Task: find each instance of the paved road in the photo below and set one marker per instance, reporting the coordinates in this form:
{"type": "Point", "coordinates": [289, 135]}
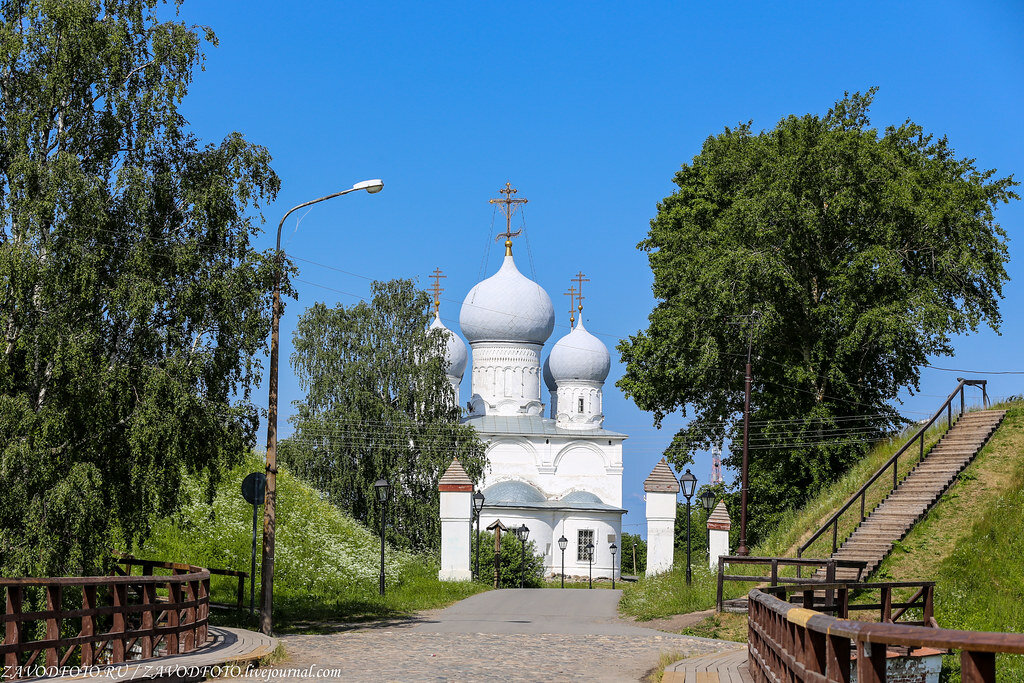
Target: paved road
{"type": "Point", "coordinates": [509, 635]}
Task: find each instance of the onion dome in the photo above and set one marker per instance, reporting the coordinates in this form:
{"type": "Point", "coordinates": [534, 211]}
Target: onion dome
{"type": "Point", "coordinates": [549, 380]}
{"type": "Point", "coordinates": [455, 355]}
{"type": "Point", "coordinates": [579, 355]}
{"type": "Point", "coordinates": [507, 307]}
{"type": "Point", "coordinates": [513, 492]}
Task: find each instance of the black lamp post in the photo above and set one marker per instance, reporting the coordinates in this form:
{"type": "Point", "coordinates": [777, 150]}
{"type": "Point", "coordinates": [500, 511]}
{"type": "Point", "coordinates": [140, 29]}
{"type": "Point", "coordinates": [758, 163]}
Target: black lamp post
{"type": "Point", "coordinates": [707, 501]}
{"type": "Point", "coordinates": [688, 482]}
{"type": "Point", "coordinates": [523, 533]}
{"type": "Point", "coordinates": [381, 487]}
{"type": "Point", "coordinates": [590, 556]}
{"type": "Point", "coordinates": [613, 548]}
{"type": "Point", "coordinates": [562, 543]}
{"type": "Point", "coordinates": [478, 505]}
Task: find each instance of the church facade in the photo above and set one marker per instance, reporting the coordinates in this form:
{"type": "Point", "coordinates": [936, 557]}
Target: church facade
{"type": "Point", "coordinates": [558, 471]}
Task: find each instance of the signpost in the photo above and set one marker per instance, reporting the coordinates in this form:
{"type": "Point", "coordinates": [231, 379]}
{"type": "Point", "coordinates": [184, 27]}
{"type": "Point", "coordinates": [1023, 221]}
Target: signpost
{"type": "Point", "coordinates": [497, 527]}
{"type": "Point", "coordinates": [253, 490]}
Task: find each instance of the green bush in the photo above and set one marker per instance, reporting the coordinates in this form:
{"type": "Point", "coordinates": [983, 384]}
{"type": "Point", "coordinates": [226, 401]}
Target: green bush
{"type": "Point", "coordinates": [512, 567]}
{"type": "Point", "coordinates": [633, 546]}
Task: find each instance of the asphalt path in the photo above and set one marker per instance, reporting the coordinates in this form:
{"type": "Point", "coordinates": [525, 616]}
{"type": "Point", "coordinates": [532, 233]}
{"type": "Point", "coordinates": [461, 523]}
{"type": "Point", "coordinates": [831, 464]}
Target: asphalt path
{"type": "Point", "coordinates": [567, 611]}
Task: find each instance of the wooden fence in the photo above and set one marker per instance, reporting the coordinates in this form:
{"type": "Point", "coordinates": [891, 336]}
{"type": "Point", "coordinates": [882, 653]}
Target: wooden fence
{"type": "Point", "coordinates": [791, 643]}
{"type": "Point", "coordinates": [830, 565]}
{"type": "Point", "coordinates": [121, 618]}
{"type": "Point", "coordinates": [147, 567]}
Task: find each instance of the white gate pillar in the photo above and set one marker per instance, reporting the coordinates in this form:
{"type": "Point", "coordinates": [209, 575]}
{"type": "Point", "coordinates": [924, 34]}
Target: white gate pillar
{"type": "Point", "coordinates": [456, 512]}
{"type": "Point", "coordinates": [718, 535]}
{"type": "Point", "coordinates": [661, 489]}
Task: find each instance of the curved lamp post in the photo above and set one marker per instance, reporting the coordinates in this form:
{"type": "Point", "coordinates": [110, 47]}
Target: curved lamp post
{"type": "Point", "coordinates": [613, 548]}
{"type": "Point", "coordinates": [590, 556]}
{"type": "Point", "coordinates": [523, 533]}
{"type": "Point", "coordinates": [707, 501]}
{"type": "Point", "coordinates": [381, 488]}
{"type": "Point", "coordinates": [270, 496]}
{"type": "Point", "coordinates": [562, 543]}
{"type": "Point", "coordinates": [478, 505]}
{"type": "Point", "coordinates": [688, 482]}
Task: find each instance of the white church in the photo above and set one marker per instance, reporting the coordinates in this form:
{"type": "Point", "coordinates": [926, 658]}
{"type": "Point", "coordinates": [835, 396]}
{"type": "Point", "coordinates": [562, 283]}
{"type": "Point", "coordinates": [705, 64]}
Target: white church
{"type": "Point", "coordinates": [558, 473]}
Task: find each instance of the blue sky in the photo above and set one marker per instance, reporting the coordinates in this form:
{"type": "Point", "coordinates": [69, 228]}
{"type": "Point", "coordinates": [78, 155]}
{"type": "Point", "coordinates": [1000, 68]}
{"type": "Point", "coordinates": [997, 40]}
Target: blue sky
{"type": "Point", "coordinates": [589, 109]}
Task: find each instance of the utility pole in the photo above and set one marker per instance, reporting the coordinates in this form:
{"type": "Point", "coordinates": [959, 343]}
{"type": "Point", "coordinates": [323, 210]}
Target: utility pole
{"type": "Point", "coordinates": [742, 549]}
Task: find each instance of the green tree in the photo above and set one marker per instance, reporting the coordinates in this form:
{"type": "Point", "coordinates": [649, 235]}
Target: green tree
{"type": "Point", "coordinates": [377, 405]}
{"type": "Point", "coordinates": [134, 304]}
{"type": "Point", "coordinates": [862, 251]}
{"type": "Point", "coordinates": [633, 547]}
{"type": "Point", "coordinates": [516, 565]}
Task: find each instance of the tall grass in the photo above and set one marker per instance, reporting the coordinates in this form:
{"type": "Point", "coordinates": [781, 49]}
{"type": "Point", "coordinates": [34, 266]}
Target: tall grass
{"type": "Point", "coordinates": [326, 563]}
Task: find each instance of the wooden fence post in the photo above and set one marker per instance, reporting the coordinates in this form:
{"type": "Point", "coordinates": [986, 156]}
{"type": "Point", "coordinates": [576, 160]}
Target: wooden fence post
{"type": "Point", "coordinates": [117, 630]}
{"type": "Point", "coordinates": [886, 595]}
{"type": "Point", "coordinates": [870, 662]}
{"type": "Point", "coordinates": [837, 659]}
{"type": "Point", "coordinates": [239, 604]}
{"type": "Point", "coordinates": [173, 615]}
{"type": "Point", "coordinates": [12, 629]}
{"type": "Point", "coordinates": [830, 578]}
{"type": "Point", "coordinates": [190, 615]}
{"type": "Point", "coordinates": [775, 571]}
{"type": "Point", "coordinates": [977, 667]}
{"type": "Point", "coordinates": [88, 624]}
{"type": "Point", "coordinates": [721, 596]}
{"type": "Point", "coordinates": [204, 611]}
{"type": "Point", "coordinates": [148, 605]}
{"type": "Point", "coordinates": [53, 620]}
{"type": "Point", "coordinates": [929, 604]}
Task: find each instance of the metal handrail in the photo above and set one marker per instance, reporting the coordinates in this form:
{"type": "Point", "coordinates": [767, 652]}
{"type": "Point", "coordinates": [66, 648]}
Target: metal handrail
{"type": "Point", "coordinates": [893, 461]}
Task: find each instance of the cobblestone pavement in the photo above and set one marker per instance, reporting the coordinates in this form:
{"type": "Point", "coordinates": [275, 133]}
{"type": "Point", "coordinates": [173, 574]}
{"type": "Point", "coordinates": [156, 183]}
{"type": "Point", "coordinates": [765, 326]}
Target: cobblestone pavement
{"type": "Point", "coordinates": [403, 654]}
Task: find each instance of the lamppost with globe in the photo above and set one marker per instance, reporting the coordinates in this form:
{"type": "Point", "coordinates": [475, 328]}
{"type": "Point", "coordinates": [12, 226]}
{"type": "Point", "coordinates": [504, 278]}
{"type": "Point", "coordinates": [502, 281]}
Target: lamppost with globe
{"type": "Point", "coordinates": [688, 482]}
{"type": "Point", "coordinates": [522, 533]}
{"type": "Point", "coordinates": [590, 556]}
{"type": "Point", "coordinates": [381, 487]}
{"type": "Point", "coordinates": [562, 543]}
{"type": "Point", "coordinates": [478, 505]}
{"type": "Point", "coordinates": [707, 501]}
{"type": "Point", "coordinates": [613, 548]}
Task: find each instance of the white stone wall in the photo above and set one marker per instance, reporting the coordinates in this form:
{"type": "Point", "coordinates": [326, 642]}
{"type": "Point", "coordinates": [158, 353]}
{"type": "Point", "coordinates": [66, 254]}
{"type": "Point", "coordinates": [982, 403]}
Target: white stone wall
{"type": "Point", "coordinates": [569, 397]}
{"type": "Point", "coordinates": [661, 526]}
{"type": "Point", "coordinates": [557, 465]}
{"type": "Point", "coordinates": [456, 511]}
{"type": "Point", "coordinates": [506, 379]}
{"type": "Point", "coordinates": [718, 545]}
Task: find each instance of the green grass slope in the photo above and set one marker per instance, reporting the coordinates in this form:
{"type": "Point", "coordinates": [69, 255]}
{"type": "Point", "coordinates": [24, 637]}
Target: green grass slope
{"type": "Point", "coordinates": [972, 544]}
{"type": "Point", "coordinates": [326, 563]}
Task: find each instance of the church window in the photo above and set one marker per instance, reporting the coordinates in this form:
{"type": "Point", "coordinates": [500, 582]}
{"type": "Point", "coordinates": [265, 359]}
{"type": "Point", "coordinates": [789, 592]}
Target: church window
{"type": "Point", "coordinates": [581, 405]}
{"type": "Point", "coordinates": [584, 536]}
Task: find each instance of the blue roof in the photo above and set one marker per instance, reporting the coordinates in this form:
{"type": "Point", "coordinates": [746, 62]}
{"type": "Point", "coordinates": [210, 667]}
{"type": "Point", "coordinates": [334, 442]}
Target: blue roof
{"type": "Point", "coordinates": [520, 494]}
{"type": "Point", "coordinates": [513, 492]}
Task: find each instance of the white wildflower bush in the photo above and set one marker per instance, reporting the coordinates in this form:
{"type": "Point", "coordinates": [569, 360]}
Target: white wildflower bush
{"type": "Point", "coordinates": [321, 554]}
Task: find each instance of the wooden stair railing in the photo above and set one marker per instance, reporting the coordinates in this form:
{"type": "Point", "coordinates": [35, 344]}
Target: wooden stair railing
{"type": "Point", "coordinates": [893, 462]}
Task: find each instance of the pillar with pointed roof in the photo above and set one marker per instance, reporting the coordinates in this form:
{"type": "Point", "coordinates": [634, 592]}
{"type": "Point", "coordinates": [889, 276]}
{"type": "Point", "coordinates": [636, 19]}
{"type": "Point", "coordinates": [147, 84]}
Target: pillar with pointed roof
{"type": "Point", "coordinates": [456, 513]}
{"type": "Point", "coordinates": [661, 489]}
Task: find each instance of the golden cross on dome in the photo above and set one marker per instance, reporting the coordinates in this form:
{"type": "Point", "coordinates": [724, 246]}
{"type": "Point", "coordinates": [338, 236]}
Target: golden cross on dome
{"type": "Point", "coordinates": [437, 289]}
{"type": "Point", "coordinates": [509, 205]}
{"type": "Point", "coordinates": [579, 280]}
{"type": "Point", "coordinates": [572, 305]}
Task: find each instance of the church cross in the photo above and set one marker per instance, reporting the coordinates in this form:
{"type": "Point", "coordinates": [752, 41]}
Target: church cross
{"type": "Point", "coordinates": [509, 207]}
{"type": "Point", "coordinates": [572, 305]}
{"type": "Point", "coordinates": [579, 280]}
{"type": "Point", "coordinates": [436, 276]}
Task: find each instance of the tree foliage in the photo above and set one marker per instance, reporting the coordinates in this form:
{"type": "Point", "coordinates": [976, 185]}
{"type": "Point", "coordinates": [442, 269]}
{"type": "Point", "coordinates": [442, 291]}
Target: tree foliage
{"type": "Point", "coordinates": [133, 303]}
{"type": "Point", "coordinates": [378, 405]}
{"type": "Point", "coordinates": [518, 566]}
{"type": "Point", "coordinates": [862, 252]}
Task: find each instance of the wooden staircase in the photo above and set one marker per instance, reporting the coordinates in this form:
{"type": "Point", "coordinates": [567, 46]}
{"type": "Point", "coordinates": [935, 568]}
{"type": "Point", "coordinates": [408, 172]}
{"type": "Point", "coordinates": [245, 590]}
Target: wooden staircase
{"type": "Point", "coordinates": [911, 499]}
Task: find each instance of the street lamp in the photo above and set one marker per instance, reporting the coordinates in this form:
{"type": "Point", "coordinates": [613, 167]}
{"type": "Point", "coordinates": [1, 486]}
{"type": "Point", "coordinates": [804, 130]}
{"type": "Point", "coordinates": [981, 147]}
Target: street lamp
{"type": "Point", "coordinates": [688, 482]}
{"type": "Point", "coordinates": [613, 548]}
{"type": "Point", "coordinates": [478, 505]}
{"type": "Point", "coordinates": [381, 487]}
{"type": "Point", "coordinates": [523, 533]}
{"type": "Point", "coordinates": [590, 556]}
{"type": "Point", "coordinates": [562, 543]}
{"type": "Point", "coordinates": [270, 496]}
{"type": "Point", "coordinates": [707, 501]}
